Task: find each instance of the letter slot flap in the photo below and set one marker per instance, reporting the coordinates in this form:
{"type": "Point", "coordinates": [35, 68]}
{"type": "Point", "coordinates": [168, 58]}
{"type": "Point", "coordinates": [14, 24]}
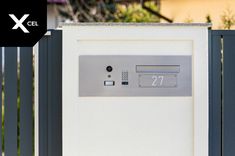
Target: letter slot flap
{"type": "Point", "coordinates": [157, 68]}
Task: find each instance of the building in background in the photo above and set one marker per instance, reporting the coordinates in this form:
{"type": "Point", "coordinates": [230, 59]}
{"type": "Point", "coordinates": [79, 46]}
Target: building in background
{"type": "Point", "coordinates": [194, 11]}
{"type": "Point", "coordinates": [53, 17]}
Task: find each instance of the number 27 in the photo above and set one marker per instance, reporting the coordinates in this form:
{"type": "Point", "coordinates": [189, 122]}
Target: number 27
{"type": "Point", "coordinates": [157, 80]}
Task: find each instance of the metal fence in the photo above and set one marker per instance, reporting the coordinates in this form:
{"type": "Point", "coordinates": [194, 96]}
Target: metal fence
{"type": "Point", "coordinates": [18, 115]}
{"type": "Point", "coordinates": [16, 76]}
{"type": "Point", "coordinates": [222, 93]}
{"type": "Point", "coordinates": [17, 85]}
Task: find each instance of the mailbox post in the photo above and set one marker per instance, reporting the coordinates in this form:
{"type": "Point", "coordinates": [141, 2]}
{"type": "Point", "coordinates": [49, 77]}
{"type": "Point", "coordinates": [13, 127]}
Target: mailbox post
{"type": "Point", "coordinates": [135, 90]}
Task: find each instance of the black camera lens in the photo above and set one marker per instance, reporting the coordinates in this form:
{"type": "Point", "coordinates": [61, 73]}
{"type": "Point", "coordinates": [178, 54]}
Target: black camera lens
{"type": "Point", "coordinates": [109, 68]}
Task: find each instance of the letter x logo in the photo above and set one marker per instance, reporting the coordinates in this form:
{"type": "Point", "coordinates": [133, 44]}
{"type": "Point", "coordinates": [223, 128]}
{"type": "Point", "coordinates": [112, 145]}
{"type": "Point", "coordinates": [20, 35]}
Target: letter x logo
{"type": "Point", "coordinates": [19, 23]}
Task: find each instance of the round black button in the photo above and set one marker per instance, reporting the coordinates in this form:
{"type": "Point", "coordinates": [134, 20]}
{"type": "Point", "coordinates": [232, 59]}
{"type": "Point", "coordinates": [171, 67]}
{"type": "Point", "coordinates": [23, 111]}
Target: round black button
{"type": "Point", "coordinates": [109, 68]}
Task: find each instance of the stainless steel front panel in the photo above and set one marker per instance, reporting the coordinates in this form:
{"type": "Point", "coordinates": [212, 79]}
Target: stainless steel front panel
{"type": "Point", "coordinates": [135, 75]}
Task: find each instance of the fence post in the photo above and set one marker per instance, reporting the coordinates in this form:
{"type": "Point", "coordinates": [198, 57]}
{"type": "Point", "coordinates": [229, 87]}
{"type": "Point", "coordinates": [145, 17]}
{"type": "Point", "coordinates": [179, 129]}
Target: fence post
{"type": "Point", "coordinates": [50, 94]}
{"type": "Point", "coordinates": [43, 97]}
{"type": "Point", "coordinates": [215, 127]}
{"type": "Point", "coordinates": [229, 95]}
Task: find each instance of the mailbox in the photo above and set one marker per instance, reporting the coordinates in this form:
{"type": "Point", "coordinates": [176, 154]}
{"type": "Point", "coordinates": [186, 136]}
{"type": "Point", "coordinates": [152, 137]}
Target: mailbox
{"type": "Point", "coordinates": [135, 89]}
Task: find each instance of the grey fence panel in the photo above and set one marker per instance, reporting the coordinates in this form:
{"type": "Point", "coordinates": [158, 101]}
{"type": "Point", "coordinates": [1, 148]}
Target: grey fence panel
{"type": "Point", "coordinates": [26, 102]}
{"type": "Point", "coordinates": [10, 101]}
{"type": "Point", "coordinates": [229, 95]}
{"type": "Point", "coordinates": [50, 98]}
{"type": "Point", "coordinates": [215, 66]}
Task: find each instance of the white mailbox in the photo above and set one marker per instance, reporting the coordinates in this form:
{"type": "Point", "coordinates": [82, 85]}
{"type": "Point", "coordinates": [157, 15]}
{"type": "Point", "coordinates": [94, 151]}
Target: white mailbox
{"type": "Point", "coordinates": [135, 90]}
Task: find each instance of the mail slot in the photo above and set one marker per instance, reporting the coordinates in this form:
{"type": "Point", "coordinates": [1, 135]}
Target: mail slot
{"type": "Point", "coordinates": [157, 68]}
{"type": "Point", "coordinates": [135, 89]}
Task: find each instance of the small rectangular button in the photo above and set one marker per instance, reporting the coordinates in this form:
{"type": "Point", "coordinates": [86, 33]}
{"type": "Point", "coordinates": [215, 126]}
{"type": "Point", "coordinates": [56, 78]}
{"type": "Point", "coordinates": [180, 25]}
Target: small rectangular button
{"type": "Point", "coordinates": [124, 83]}
{"type": "Point", "coordinates": [109, 83]}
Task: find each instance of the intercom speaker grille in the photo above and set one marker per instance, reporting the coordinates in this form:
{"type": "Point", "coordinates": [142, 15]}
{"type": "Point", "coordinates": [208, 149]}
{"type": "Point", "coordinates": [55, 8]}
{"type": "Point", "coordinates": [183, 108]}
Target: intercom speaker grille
{"type": "Point", "coordinates": [124, 76]}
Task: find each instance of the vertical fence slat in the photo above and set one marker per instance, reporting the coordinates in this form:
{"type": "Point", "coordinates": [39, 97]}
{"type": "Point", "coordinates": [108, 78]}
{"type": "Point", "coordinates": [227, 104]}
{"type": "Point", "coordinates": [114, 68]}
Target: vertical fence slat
{"type": "Point", "coordinates": [10, 101]}
{"type": "Point", "coordinates": [229, 96]}
{"type": "Point", "coordinates": [55, 93]}
{"type": "Point", "coordinates": [1, 101]}
{"type": "Point", "coordinates": [215, 142]}
{"type": "Point", "coordinates": [26, 113]}
{"type": "Point", "coordinates": [43, 98]}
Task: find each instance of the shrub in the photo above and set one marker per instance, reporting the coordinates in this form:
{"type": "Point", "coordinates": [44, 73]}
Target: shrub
{"type": "Point", "coordinates": [135, 13]}
{"type": "Point", "coordinates": [228, 19]}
